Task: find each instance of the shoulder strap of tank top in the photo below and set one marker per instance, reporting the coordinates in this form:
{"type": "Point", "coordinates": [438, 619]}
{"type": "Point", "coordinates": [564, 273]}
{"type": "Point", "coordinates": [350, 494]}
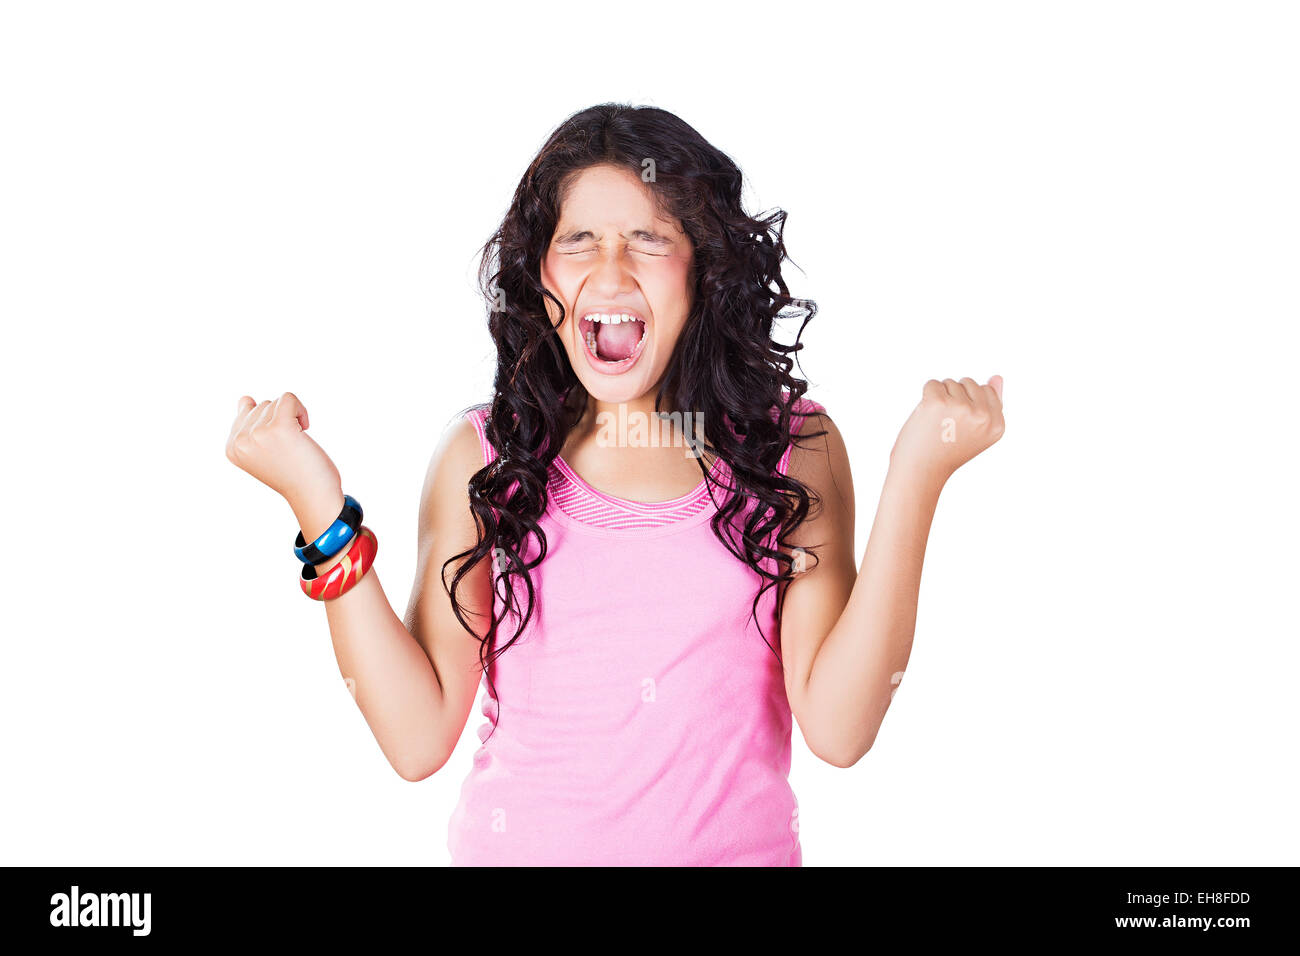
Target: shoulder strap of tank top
{"type": "Point", "coordinates": [802, 410]}
{"type": "Point", "coordinates": [478, 418]}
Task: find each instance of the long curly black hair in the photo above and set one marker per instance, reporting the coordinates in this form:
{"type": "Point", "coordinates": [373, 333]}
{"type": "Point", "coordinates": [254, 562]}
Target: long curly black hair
{"type": "Point", "coordinates": [726, 366]}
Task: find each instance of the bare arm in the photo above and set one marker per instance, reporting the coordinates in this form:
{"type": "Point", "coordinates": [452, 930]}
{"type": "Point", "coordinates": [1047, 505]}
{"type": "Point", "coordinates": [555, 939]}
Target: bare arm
{"type": "Point", "coordinates": [847, 635]}
{"type": "Point", "coordinates": [447, 528]}
{"type": "Point", "coordinates": [414, 682]}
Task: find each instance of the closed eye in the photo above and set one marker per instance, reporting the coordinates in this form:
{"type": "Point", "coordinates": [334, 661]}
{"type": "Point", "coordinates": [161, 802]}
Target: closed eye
{"type": "Point", "coordinates": [643, 252]}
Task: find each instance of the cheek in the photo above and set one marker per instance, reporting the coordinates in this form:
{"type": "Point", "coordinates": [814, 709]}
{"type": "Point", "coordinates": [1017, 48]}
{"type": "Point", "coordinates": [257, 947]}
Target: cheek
{"type": "Point", "coordinates": [559, 282]}
{"type": "Point", "coordinates": [562, 272]}
{"type": "Point", "coordinates": [548, 272]}
{"type": "Point", "coordinates": [672, 290]}
{"type": "Point", "coordinates": [674, 278]}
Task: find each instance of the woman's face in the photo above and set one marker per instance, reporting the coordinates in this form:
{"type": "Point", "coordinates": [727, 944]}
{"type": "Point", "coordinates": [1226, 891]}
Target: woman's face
{"type": "Point", "coordinates": [613, 256]}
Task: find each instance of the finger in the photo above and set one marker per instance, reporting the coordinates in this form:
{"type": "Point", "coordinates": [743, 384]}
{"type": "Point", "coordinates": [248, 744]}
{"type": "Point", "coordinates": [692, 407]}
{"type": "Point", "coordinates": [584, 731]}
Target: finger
{"type": "Point", "coordinates": [264, 413]}
{"type": "Point", "coordinates": [246, 404]}
{"type": "Point", "coordinates": [972, 390]}
{"type": "Point", "coordinates": [995, 383]}
{"type": "Point", "coordinates": [955, 391]}
{"type": "Point", "coordinates": [254, 417]}
{"type": "Point", "coordinates": [934, 390]}
{"type": "Point", "coordinates": [248, 418]}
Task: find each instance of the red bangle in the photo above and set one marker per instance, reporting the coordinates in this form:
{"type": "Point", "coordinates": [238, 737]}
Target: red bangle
{"type": "Point", "coordinates": [340, 578]}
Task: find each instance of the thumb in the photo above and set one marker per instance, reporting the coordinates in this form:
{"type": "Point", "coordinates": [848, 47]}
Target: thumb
{"type": "Point", "coordinates": [293, 406]}
{"type": "Point", "coordinates": [996, 384]}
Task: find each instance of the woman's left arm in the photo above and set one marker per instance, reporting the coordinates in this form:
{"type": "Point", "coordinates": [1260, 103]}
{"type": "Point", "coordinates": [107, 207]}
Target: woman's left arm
{"type": "Point", "coordinates": [846, 636]}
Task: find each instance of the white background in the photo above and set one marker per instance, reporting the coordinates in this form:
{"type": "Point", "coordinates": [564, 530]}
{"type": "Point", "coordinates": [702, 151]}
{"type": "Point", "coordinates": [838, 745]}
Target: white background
{"type": "Point", "coordinates": [1098, 201]}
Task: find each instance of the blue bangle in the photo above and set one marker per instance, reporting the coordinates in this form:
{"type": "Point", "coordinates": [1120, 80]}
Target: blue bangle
{"type": "Point", "coordinates": [335, 537]}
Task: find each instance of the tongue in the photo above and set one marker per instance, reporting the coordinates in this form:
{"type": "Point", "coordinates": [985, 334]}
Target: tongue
{"type": "Point", "coordinates": [616, 342]}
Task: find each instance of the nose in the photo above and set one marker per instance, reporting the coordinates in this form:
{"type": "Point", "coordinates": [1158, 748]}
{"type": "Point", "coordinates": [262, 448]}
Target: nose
{"type": "Point", "coordinates": [610, 274]}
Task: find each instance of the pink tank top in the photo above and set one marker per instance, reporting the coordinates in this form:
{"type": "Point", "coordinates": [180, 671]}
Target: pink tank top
{"type": "Point", "coordinates": [640, 719]}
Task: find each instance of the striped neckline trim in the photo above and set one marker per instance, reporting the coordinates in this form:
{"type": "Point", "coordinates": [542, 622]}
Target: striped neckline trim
{"type": "Point", "coordinates": [570, 493]}
{"type": "Point", "coordinates": [585, 503]}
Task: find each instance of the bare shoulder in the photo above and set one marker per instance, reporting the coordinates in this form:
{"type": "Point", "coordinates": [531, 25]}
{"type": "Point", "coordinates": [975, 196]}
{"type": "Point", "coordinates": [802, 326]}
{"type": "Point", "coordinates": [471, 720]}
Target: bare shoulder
{"type": "Point", "coordinates": [455, 459]}
{"type": "Point", "coordinates": [821, 461]}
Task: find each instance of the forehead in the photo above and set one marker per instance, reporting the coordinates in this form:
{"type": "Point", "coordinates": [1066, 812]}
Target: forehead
{"type": "Point", "coordinates": [610, 196]}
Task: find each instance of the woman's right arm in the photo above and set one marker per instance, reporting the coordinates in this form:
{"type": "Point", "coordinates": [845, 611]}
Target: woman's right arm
{"type": "Point", "coordinates": [415, 682]}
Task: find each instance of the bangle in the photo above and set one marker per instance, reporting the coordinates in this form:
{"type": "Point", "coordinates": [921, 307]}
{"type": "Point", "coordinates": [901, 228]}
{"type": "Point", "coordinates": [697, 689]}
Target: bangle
{"type": "Point", "coordinates": [331, 542]}
{"type": "Point", "coordinates": [340, 578]}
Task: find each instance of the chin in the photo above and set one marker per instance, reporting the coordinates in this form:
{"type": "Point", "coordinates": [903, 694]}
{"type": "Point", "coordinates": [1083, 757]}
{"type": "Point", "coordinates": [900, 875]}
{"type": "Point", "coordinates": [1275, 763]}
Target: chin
{"type": "Point", "coordinates": [614, 389]}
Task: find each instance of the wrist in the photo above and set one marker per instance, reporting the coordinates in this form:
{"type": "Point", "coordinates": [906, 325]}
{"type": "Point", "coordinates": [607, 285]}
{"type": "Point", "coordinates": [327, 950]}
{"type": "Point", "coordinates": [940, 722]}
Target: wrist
{"type": "Point", "coordinates": [921, 476]}
{"type": "Point", "coordinates": [316, 509]}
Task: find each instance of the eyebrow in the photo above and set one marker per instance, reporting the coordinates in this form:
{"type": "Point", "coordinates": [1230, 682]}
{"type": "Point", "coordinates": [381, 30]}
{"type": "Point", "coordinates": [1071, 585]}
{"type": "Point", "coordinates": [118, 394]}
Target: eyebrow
{"type": "Point", "coordinates": [573, 235]}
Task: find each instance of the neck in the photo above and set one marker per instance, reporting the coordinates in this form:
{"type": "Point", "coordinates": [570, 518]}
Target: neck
{"type": "Point", "coordinates": [636, 420]}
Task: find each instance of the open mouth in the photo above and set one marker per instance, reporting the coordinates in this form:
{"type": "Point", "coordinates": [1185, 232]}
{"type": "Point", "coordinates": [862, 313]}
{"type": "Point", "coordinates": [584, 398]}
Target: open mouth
{"type": "Point", "coordinates": [613, 339]}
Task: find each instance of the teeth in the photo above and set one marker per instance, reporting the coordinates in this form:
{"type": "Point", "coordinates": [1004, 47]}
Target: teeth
{"type": "Point", "coordinates": [591, 344]}
{"type": "Point", "coordinates": [607, 318]}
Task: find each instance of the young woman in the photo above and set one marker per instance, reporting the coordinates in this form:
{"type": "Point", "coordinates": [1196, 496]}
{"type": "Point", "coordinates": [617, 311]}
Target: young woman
{"type": "Point", "coordinates": [643, 545]}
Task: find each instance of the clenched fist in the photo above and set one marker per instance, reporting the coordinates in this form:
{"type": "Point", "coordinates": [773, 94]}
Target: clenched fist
{"type": "Point", "coordinates": [955, 421]}
{"type": "Point", "coordinates": [269, 441]}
